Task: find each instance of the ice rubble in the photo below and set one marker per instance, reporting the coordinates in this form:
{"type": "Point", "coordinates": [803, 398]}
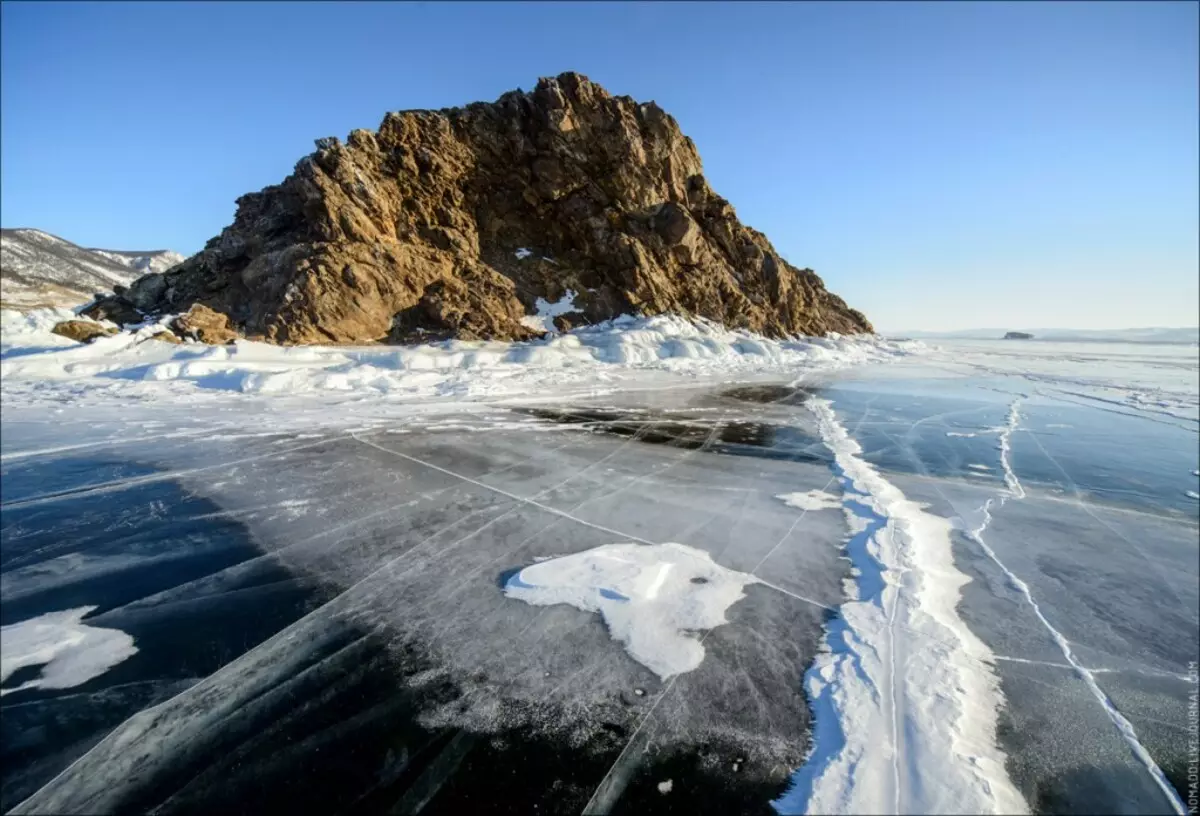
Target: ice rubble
{"type": "Point", "coordinates": [70, 652]}
{"type": "Point", "coordinates": [30, 354]}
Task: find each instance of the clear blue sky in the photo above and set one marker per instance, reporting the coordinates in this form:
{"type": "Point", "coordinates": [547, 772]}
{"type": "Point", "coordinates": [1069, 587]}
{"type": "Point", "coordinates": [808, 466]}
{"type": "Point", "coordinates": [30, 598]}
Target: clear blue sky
{"type": "Point", "coordinates": [941, 165]}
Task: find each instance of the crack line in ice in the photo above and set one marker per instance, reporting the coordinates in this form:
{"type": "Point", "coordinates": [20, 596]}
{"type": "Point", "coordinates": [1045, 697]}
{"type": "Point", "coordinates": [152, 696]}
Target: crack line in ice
{"type": "Point", "coordinates": [532, 502]}
{"type": "Point", "coordinates": [610, 788]}
{"type": "Point", "coordinates": [1124, 727]}
{"type": "Point", "coordinates": [1084, 505]}
{"type": "Point", "coordinates": [1010, 477]}
{"type": "Point", "coordinates": [943, 697]}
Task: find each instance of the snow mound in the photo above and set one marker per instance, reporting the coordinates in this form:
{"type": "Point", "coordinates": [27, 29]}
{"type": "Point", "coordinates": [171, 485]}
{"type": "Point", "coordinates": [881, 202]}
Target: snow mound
{"type": "Point", "coordinates": [69, 652]}
{"type": "Point", "coordinates": [653, 597]}
{"type": "Point", "coordinates": [31, 355]}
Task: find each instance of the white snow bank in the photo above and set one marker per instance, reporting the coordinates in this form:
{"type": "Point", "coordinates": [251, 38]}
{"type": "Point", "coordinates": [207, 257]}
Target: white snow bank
{"type": "Point", "coordinates": [31, 355]}
{"type": "Point", "coordinates": [69, 652]}
{"type": "Point", "coordinates": [812, 500]}
{"type": "Point", "coordinates": [653, 597]}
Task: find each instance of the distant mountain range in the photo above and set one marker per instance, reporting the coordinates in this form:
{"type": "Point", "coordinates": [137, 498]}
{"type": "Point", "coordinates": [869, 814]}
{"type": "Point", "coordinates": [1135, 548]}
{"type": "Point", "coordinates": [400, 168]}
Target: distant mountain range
{"type": "Point", "coordinates": [40, 269]}
{"type": "Point", "coordinates": [1147, 335]}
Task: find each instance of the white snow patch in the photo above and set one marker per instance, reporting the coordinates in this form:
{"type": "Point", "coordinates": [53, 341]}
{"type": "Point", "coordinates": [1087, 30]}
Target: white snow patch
{"type": "Point", "coordinates": [69, 652]}
{"type": "Point", "coordinates": [522, 253]}
{"type": "Point", "coordinates": [905, 702]}
{"type": "Point", "coordinates": [978, 467]}
{"type": "Point", "coordinates": [960, 433]}
{"type": "Point", "coordinates": [812, 500]}
{"type": "Point", "coordinates": [1192, 494]}
{"type": "Point", "coordinates": [543, 321]}
{"type": "Point", "coordinates": [653, 597]}
{"type": "Point", "coordinates": [665, 786]}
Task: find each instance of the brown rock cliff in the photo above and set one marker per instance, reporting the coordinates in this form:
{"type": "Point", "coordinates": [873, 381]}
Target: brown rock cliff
{"type": "Point", "coordinates": [415, 232]}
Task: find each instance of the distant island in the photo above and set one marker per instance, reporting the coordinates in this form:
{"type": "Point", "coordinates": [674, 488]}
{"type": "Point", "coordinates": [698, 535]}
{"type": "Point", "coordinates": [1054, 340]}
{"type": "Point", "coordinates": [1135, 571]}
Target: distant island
{"type": "Point", "coordinates": [1189, 336]}
{"type": "Point", "coordinates": [1018, 336]}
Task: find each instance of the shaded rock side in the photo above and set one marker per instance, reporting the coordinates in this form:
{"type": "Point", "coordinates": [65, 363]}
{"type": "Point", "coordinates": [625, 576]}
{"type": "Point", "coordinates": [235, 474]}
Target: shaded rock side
{"type": "Point", "coordinates": [452, 223]}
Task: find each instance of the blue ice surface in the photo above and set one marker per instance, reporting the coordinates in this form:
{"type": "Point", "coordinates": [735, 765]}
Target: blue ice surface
{"type": "Point", "coordinates": [1060, 447]}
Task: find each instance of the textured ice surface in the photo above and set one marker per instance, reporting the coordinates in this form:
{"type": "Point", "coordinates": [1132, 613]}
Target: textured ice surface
{"type": "Point", "coordinates": [320, 571]}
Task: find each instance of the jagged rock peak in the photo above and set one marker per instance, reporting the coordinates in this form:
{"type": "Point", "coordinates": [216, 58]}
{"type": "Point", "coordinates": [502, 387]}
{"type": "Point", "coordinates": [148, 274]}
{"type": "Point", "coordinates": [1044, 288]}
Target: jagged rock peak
{"type": "Point", "coordinates": [454, 223]}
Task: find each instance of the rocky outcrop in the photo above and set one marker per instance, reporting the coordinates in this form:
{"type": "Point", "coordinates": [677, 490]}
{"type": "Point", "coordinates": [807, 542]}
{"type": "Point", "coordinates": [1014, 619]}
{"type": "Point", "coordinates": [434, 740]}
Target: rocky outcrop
{"type": "Point", "coordinates": [1016, 335]}
{"type": "Point", "coordinates": [203, 324]}
{"type": "Point", "coordinates": [453, 223]}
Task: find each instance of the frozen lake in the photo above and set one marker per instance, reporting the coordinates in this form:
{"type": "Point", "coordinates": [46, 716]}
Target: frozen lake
{"type": "Point", "coordinates": [977, 566]}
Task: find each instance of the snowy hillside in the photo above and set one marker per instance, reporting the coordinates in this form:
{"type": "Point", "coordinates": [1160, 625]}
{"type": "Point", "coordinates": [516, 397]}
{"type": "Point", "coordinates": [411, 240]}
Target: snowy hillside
{"type": "Point", "coordinates": [155, 260]}
{"type": "Point", "coordinates": [39, 269]}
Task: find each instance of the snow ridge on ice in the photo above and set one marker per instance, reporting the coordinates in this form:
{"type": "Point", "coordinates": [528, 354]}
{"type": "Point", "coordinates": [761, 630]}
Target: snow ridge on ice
{"type": "Point", "coordinates": [905, 704]}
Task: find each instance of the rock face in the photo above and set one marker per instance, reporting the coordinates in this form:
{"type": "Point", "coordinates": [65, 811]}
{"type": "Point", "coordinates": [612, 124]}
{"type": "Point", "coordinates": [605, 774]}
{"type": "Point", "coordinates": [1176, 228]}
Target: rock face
{"type": "Point", "coordinates": [453, 223]}
{"type": "Point", "coordinates": [1015, 335]}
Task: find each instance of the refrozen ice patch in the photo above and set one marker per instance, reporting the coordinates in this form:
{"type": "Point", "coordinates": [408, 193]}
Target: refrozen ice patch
{"type": "Point", "coordinates": [69, 652]}
{"type": "Point", "coordinates": [653, 597]}
{"type": "Point", "coordinates": [812, 500]}
{"type": "Point", "coordinates": [543, 321]}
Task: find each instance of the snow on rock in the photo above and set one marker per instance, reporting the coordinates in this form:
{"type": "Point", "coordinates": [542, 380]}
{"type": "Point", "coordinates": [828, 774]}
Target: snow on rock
{"type": "Point", "coordinates": [543, 321]}
{"type": "Point", "coordinates": [70, 652]}
{"type": "Point", "coordinates": [523, 253]}
{"type": "Point", "coordinates": [653, 597]}
{"type": "Point", "coordinates": [812, 500]}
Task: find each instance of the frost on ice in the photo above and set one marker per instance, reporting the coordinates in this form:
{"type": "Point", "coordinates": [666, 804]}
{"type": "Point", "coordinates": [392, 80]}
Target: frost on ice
{"type": "Point", "coordinates": [69, 652]}
{"type": "Point", "coordinates": [812, 500]}
{"type": "Point", "coordinates": [653, 597]}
